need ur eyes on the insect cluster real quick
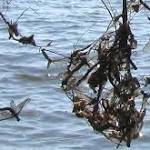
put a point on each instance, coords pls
(99, 81)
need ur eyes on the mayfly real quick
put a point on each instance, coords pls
(13, 111)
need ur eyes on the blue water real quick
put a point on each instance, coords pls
(47, 121)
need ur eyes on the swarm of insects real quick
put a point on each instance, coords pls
(99, 81)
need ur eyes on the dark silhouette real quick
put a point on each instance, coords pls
(13, 111)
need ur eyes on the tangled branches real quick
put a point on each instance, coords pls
(110, 101)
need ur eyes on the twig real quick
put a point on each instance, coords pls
(145, 5)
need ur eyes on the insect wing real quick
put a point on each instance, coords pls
(49, 44)
(48, 64)
(20, 106)
(13, 105)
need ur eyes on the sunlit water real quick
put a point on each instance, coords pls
(47, 122)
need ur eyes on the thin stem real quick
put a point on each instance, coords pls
(124, 12)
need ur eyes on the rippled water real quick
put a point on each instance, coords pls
(47, 122)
